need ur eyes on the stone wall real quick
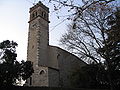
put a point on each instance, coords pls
(52, 65)
(52, 54)
(68, 64)
(53, 77)
(62, 65)
(39, 77)
(45, 88)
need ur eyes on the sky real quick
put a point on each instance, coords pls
(14, 17)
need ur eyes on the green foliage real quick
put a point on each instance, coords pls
(10, 69)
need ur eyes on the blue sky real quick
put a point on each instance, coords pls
(14, 17)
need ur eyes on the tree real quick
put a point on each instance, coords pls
(90, 35)
(97, 75)
(87, 32)
(111, 50)
(10, 69)
(73, 7)
(90, 76)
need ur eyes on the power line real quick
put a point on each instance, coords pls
(57, 24)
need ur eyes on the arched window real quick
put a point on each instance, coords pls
(43, 14)
(42, 72)
(33, 15)
(36, 13)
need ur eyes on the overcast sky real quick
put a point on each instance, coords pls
(14, 17)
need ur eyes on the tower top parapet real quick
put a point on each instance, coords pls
(39, 4)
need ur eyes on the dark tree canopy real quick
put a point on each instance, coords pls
(10, 69)
(111, 49)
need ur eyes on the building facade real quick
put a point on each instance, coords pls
(52, 65)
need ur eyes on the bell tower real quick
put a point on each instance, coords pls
(38, 41)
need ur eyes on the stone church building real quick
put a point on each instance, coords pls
(53, 66)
